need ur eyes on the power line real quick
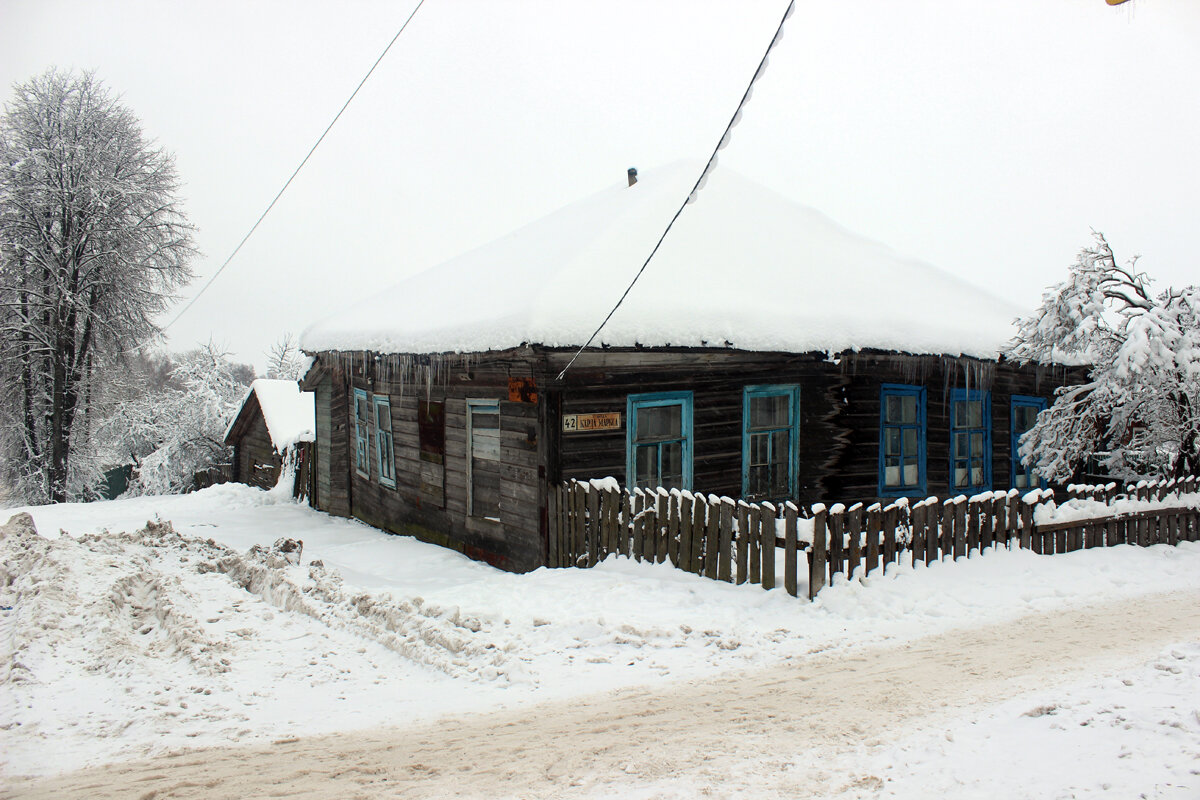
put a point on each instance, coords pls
(700, 182)
(295, 172)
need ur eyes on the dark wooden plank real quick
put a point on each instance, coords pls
(819, 552)
(742, 543)
(874, 527)
(638, 528)
(724, 573)
(960, 528)
(837, 540)
(685, 531)
(712, 537)
(767, 536)
(790, 513)
(662, 527)
(755, 575)
(699, 527)
(974, 511)
(891, 519)
(917, 545)
(946, 539)
(854, 529)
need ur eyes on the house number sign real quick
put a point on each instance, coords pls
(582, 423)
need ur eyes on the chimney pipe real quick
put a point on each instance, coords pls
(632, 173)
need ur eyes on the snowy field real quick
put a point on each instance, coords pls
(123, 640)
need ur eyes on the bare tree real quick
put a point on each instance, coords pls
(92, 245)
(285, 361)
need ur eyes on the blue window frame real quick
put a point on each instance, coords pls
(362, 423)
(658, 448)
(385, 454)
(970, 440)
(1024, 415)
(901, 440)
(770, 435)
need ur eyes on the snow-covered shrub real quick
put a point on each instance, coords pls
(1139, 412)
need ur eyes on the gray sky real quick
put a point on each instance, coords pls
(988, 138)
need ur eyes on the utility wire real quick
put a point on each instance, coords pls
(296, 172)
(708, 167)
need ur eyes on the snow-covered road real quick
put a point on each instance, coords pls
(812, 727)
(123, 640)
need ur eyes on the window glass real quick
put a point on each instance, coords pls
(1024, 416)
(902, 440)
(770, 430)
(483, 433)
(970, 440)
(659, 440)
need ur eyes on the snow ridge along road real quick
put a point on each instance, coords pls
(806, 728)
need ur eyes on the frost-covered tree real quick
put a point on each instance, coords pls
(92, 245)
(171, 434)
(1139, 411)
(285, 361)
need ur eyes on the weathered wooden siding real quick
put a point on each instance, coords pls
(257, 463)
(602, 382)
(430, 499)
(857, 475)
(322, 448)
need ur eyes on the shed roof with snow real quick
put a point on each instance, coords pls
(743, 267)
(286, 411)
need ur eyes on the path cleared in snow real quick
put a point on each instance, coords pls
(797, 729)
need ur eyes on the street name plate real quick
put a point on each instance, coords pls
(586, 423)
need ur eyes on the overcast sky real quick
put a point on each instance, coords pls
(988, 138)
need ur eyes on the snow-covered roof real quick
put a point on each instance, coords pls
(287, 412)
(742, 267)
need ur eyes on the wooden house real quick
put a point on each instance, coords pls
(766, 353)
(273, 424)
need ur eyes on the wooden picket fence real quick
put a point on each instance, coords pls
(740, 542)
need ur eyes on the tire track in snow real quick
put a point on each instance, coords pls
(770, 732)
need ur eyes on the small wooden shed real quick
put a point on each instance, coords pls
(274, 426)
(766, 353)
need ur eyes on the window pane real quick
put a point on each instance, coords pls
(646, 464)
(891, 439)
(779, 446)
(910, 443)
(769, 412)
(759, 448)
(977, 444)
(977, 473)
(1021, 481)
(779, 480)
(672, 464)
(960, 474)
(383, 416)
(962, 445)
(975, 414)
(360, 407)
(909, 404)
(891, 474)
(659, 422)
(910, 474)
(485, 420)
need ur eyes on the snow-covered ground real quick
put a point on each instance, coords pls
(125, 639)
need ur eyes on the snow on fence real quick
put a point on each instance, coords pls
(735, 541)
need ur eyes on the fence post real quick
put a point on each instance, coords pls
(837, 540)
(726, 540)
(946, 545)
(874, 525)
(766, 521)
(742, 547)
(699, 527)
(818, 553)
(974, 509)
(673, 502)
(752, 539)
(789, 548)
(917, 542)
(891, 518)
(1027, 542)
(854, 531)
(685, 531)
(661, 525)
(712, 536)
